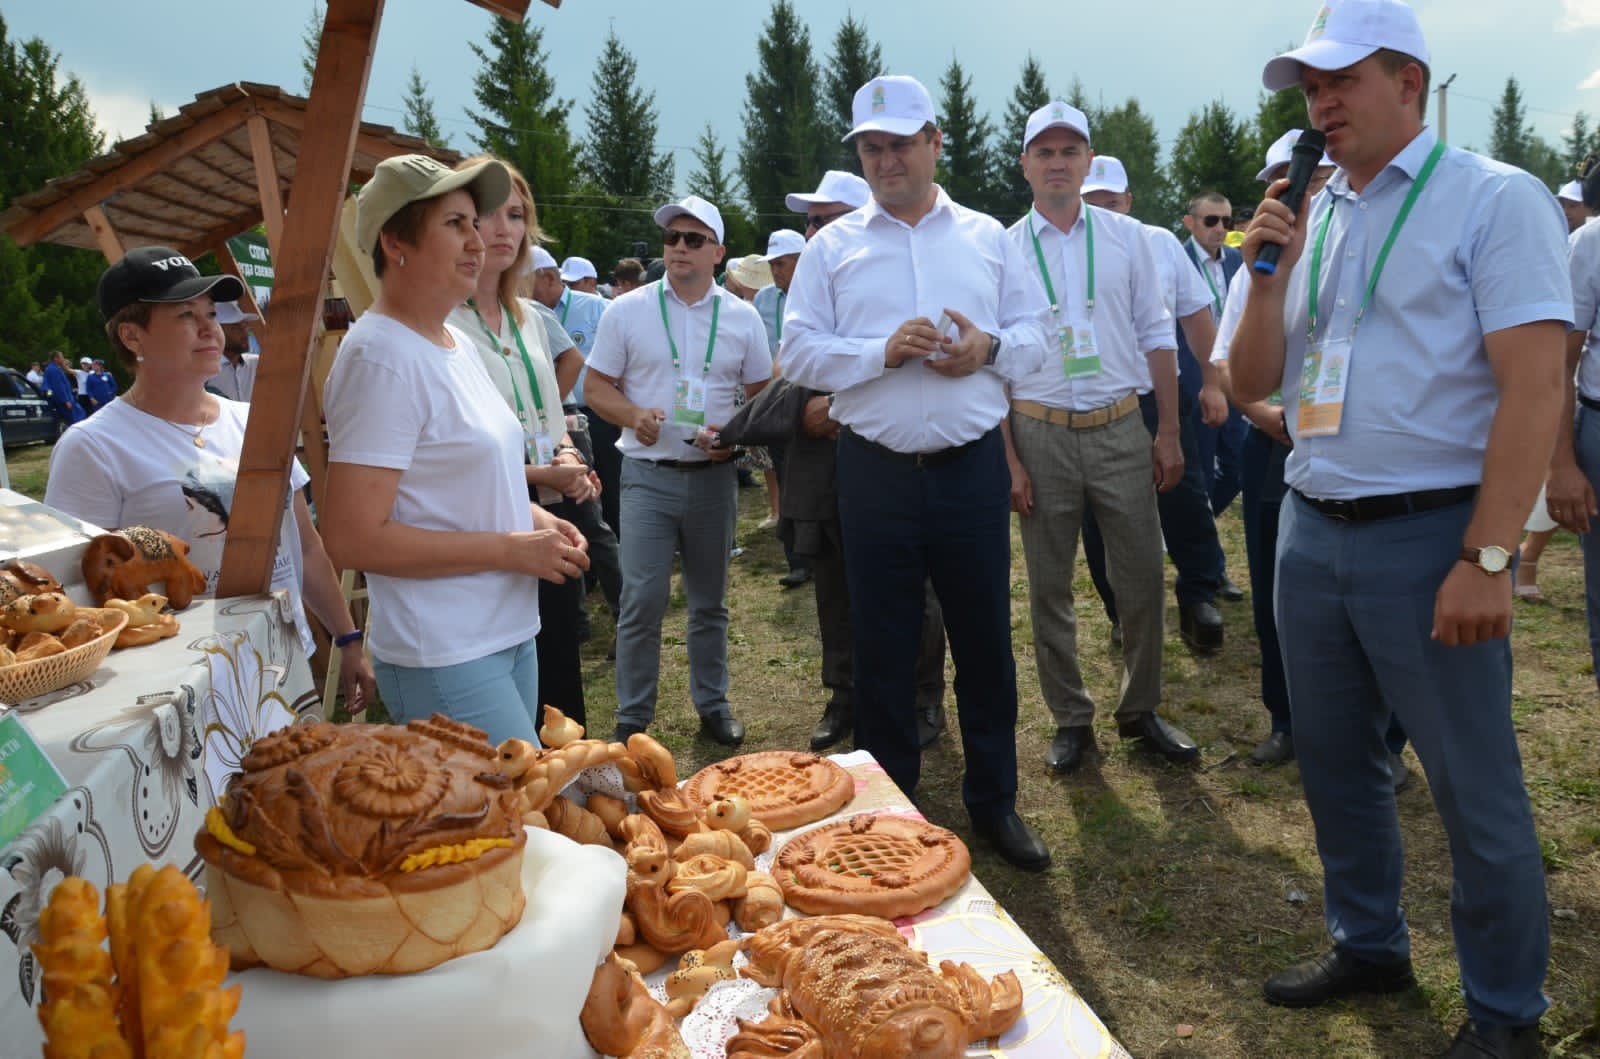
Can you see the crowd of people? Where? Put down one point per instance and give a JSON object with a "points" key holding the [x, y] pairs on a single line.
{"points": [[505, 434]]}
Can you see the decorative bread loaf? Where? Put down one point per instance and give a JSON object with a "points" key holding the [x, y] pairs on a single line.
{"points": [[124, 564]]}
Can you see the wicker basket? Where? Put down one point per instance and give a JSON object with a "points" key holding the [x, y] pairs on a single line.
{"points": [[26, 680]]}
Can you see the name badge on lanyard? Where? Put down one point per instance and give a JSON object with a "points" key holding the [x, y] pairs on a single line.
{"points": [[537, 444], [1325, 375], [1080, 355], [689, 396]]}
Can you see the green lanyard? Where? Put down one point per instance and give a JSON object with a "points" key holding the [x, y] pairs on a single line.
{"points": [[566, 307], [711, 343], [527, 363], [1383, 254], [1038, 252], [1216, 299], [781, 295]]}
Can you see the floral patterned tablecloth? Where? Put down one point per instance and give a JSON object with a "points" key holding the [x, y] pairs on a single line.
{"points": [[145, 744]]}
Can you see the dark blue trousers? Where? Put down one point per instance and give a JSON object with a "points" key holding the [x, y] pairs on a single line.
{"points": [[1262, 491], [1187, 527], [950, 523], [1221, 449]]}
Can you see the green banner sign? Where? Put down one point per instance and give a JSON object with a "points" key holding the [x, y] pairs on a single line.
{"points": [[255, 264], [29, 783]]}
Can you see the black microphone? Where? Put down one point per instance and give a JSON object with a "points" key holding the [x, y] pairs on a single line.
{"points": [[1302, 166]]}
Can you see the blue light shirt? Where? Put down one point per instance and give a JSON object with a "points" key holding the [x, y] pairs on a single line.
{"points": [[1583, 258], [580, 314], [1483, 250], [769, 302]]}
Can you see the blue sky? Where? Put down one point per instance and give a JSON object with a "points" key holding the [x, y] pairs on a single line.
{"points": [[1174, 56]]}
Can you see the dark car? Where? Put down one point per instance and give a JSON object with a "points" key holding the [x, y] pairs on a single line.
{"points": [[25, 415]]}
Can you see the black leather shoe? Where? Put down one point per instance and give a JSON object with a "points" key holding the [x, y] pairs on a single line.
{"points": [[1158, 737], [1229, 591], [624, 731], [1018, 844], [1275, 749], [796, 577], [1200, 625], [1116, 636], [930, 724], [1068, 748], [1335, 974], [722, 728], [838, 720], [1477, 1041]]}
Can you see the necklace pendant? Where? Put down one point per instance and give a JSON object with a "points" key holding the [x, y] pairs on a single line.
{"points": [[199, 442]]}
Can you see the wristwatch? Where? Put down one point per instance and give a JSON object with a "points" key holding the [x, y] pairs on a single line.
{"points": [[1491, 558], [994, 350]]}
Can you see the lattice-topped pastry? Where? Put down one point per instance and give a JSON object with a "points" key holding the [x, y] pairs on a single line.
{"points": [[888, 866], [785, 789]]}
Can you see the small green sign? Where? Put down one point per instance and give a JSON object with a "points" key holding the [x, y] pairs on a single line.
{"points": [[29, 783]]}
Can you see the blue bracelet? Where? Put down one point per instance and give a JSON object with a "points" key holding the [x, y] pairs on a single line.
{"points": [[347, 639]]}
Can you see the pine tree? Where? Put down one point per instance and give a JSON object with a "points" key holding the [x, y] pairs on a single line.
{"points": [[712, 182], [524, 122], [421, 121], [1215, 151], [1577, 145], [1511, 137], [310, 42], [1276, 114], [785, 146], [1128, 134], [1012, 196], [966, 168], [156, 113], [620, 159], [855, 60], [46, 292]]}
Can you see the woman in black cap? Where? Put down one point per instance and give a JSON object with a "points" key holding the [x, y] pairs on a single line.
{"points": [[144, 456]]}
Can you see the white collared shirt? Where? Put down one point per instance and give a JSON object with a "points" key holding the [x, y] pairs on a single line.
{"points": [[235, 381], [1213, 271], [1482, 251], [867, 273], [1130, 318], [631, 347], [1583, 261]]}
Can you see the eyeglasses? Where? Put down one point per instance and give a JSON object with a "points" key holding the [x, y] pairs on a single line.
{"points": [[693, 240], [820, 220], [1212, 220]]}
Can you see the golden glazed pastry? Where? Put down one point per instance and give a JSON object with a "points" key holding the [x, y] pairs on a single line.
{"points": [[360, 849], [45, 612], [620, 1018], [888, 866], [785, 789]]}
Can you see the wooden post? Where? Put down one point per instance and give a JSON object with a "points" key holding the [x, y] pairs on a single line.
{"points": [[333, 117], [104, 234], [267, 181]]}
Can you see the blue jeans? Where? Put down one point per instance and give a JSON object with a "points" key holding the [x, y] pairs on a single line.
{"points": [[950, 523], [1355, 606], [690, 512], [498, 693], [1587, 435]]}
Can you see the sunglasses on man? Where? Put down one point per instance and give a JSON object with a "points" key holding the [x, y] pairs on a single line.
{"points": [[822, 220], [1211, 220], [693, 240]]}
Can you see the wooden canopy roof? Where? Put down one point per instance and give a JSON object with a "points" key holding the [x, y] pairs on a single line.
{"points": [[218, 167]]}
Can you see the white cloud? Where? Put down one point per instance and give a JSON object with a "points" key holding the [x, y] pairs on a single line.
{"points": [[1592, 81], [120, 115], [1579, 14]]}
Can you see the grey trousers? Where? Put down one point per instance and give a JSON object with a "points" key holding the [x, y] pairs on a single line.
{"points": [[692, 513], [1108, 468]]}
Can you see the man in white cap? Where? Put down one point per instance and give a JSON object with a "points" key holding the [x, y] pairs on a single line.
{"points": [[1571, 198], [1075, 437], [1426, 395], [579, 274], [80, 380], [783, 253], [665, 366], [236, 373], [921, 466], [1187, 526], [837, 194]]}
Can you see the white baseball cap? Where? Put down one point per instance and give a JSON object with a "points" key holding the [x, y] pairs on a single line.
{"points": [[783, 242], [1572, 191], [893, 103], [693, 206], [1281, 151], [1107, 174], [1055, 115], [576, 268], [836, 186], [1345, 32], [541, 258], [230, 313], [85, 360]]}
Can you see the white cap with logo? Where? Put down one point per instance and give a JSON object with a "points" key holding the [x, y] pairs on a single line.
{"points": [[1345, 32], [1280, 153], [836, 186], [1106, 174], [1055, 115], [1572, 191], [783, 242], [230, 313], [693, 206], [893, 104], [576, 268]]}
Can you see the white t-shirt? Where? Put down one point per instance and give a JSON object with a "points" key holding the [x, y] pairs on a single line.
{"points": [[123, 467], [398, 401]]}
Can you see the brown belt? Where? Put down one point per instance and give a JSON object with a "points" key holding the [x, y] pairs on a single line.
{"points": [[1098, 417]]}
